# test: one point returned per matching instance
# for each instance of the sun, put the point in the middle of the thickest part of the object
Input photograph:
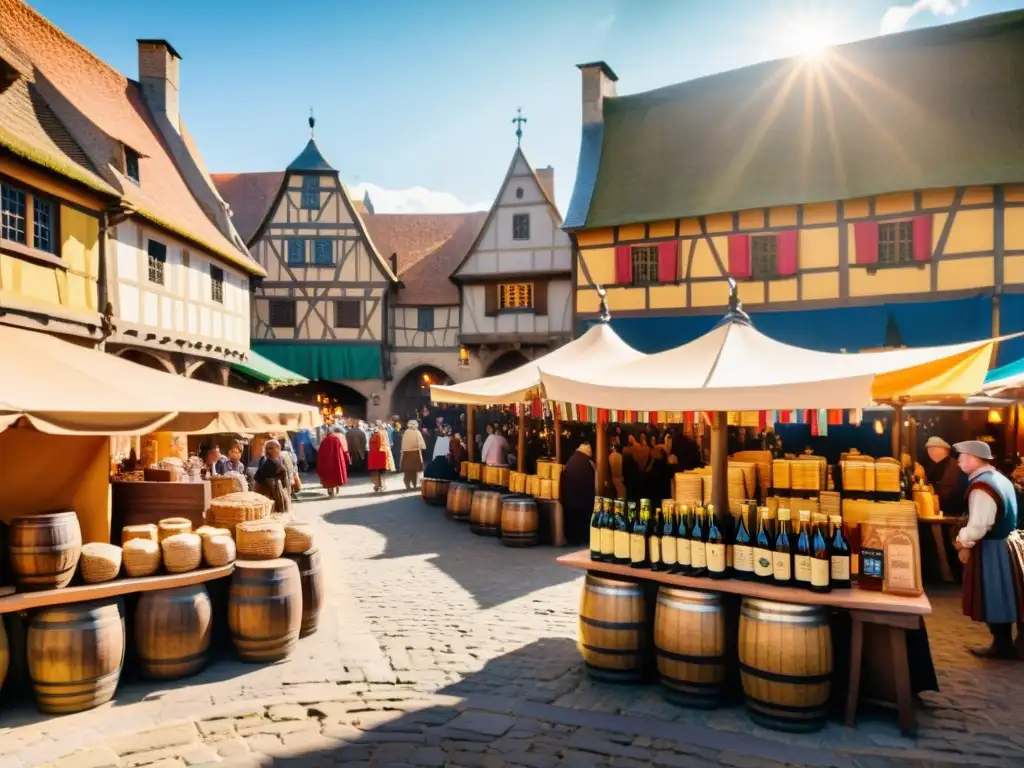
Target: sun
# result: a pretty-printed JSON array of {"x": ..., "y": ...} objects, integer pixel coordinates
[{"x": 810, "y": 38}]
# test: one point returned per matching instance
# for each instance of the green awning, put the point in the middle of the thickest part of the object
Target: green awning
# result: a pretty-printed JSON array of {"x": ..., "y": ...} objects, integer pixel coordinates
[
  {"x": 268, "y": 371},
  {"x": 325, "y": 362}
]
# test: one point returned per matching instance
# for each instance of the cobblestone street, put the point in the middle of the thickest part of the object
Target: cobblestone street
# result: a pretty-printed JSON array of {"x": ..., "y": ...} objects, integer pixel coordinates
[{"x": 439, "y": 648}]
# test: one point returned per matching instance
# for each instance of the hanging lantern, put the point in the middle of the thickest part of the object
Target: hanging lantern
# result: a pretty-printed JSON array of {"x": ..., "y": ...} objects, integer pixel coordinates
[
  {"x": 879, "y": 427},
  {"x": 995, "y": 417},
  {"x": 463, "y": 356}
]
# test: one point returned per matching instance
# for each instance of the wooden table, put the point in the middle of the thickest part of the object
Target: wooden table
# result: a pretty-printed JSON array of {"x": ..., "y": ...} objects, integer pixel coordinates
[
  {"x": 894, "y": 613},
  {"x": 939, "y": 525}
]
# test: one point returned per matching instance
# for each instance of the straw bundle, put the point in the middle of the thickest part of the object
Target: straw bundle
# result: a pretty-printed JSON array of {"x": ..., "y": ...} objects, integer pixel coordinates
[
  {"x": 858, "y": 475},
  {"x": 141, "y": 557},
  {"x": 556, "y": 474},
  {"x": 829, "y": 503},
  {"x": 805, "y": 475},
  {"x": 182, "y": 552},
  {"x": 170, "y": 526},
  {"x": 146, "y": 531},
  {"x": 462, "y": 468},
  {"x": 781, "y": 473},
  {"x": 748, "y": 471},
  {"x": 544, "y": 470},
  {"x": 545, "y": 488},
  {"x": 473, "y": 471},
  {"x": 688, "y": 488},
  {"x": 763, "y": 461},
  {"x": 260, "y": 539},
  {"x": 490, "y": 476},
  {"x": 857, "y": 511},
  {"x": 218, "y": 550},
  {"x": 298, "y": 537},
  {"x": 228, "y": 511},
  {"x": 887, "y": 476},
  {"x": 100, "y": 562},
  {"x": 532, "y": 485}
]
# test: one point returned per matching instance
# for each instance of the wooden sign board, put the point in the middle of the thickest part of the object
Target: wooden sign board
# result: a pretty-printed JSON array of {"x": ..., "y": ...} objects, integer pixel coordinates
[{"x": 902, "y": 553}]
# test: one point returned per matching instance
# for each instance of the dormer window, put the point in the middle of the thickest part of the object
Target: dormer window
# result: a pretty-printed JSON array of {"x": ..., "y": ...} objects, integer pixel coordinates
[{"x": 131, "y": 164}]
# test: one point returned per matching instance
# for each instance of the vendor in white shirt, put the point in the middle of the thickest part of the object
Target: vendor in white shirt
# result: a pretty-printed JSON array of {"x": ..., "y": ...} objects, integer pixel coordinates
[
  {"x": 988, "y": 593},
  {"x": 496, "y": 448}
]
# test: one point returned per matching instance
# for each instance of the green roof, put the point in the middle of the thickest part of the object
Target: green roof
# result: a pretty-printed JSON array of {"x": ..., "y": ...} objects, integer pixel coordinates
[
  {"x": 935, "y": 107},
  {"x": 268, "y": 371}
]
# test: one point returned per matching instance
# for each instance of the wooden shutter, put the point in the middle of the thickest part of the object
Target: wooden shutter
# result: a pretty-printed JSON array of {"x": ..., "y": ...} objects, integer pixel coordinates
[
  {"x": 623, "y": 264},
  {"x": 923, "y": 238},
  {"x": 865, "y": 236},
  {"x": 491, "y": 299},
  {"x": 668, "y": 261},
  {"x": 739, "y": 255},
  {"x": 540, "y": 296},
  {"x": 786, "y": 246}
]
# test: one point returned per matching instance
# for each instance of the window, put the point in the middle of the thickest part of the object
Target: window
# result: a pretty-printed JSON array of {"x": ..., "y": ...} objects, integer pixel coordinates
[
  {"x": 42, "y": 225},
  {"x": 12, "y": 214},
  {"x": 763, "y": 257},
  {"x": 217, "y": 284},
  {"x": 157, "y": 260},
  {"x": 645, "y": 264},
  {"x": 515, "y": 296},
  {"x": 425, "y": 319},
  {"x": 282, "y": 313},
  {"x": 296, "y": 252},
  {"x": 323, "y": 254},
  {"x": 519, "y": 193},
  {"x": 131, "y": 164},
  {"x": 896, "y": 243},
  {"x": 311, "y": 193},
  {"x": 348, "y": 313},
  {"x": 521, "y": 226}
]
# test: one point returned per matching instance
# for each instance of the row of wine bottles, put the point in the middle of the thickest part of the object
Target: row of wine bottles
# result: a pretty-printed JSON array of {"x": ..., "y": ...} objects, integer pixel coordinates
[{"x": 696, "y": 541}]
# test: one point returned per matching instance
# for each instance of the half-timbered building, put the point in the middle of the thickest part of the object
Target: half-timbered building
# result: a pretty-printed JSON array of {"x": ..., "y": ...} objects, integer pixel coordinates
[{"x": 878, "y": 187}]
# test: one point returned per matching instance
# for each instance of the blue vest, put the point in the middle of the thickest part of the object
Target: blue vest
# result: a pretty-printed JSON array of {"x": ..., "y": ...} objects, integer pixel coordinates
[{"x": 1004, "y": 494}]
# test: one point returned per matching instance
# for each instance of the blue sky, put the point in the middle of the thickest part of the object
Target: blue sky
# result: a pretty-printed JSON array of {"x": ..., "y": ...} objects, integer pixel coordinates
[{"x": 420, "y": 93}]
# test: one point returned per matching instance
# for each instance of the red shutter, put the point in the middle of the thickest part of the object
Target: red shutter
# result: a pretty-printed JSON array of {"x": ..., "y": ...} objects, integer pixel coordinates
[
  {"x": 923, "y": 238},
  {"x": 739, "y": 255},
  {"x": 786, "y": 247},
  {"x": 623, "y": 264},
  {"x": 668, "y": 261},
  {"x": 865, "y": 236}
]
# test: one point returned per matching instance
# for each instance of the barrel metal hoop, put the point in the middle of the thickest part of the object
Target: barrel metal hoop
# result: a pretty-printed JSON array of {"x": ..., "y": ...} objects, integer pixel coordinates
[
  {"x": 75, "y": 683},
  {"x": 780, "y": 677},
  {"x": 637, "y": 626},
  {"x": 783, "y": 618},
  {"x": 713, "y": 687},
  {"x": 689, "y": 607},
  {"x": 613, "y": 651},
  {"x": 626, "y": 590},
  {"x": 687, "y": 658},
  {"x": 813, "y": 710},
  {"x": 201, "y": 655}
]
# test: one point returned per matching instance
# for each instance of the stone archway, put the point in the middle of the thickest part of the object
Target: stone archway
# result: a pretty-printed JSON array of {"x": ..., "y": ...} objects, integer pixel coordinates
[
  {"x": 209, "y": 371},
  {"x": 506, "y": 362},
  {"x": 412, "y": 392},
  {"x": 326, "y": 394},
  {"x": 147, "y": 359}
]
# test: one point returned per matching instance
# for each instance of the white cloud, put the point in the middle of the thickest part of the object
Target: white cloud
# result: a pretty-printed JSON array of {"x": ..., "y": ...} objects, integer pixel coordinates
[
  {"x": 414, "y": 200},
  {"x": 897, "y": 17}
]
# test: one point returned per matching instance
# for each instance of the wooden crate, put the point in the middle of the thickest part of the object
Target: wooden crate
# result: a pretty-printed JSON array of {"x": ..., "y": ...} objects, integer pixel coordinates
[{"x": 136, "y": 503}]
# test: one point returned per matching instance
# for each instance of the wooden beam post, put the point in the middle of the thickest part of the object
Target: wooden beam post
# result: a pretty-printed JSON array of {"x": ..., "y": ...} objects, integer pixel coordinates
[
  {"x": 720, "y": 461},
  {"x": 601, "y": 456},
  {"x": 897, "y": 430},
  {"x": 470, "y": 433},
  {"x": 521, "y": 448},
  {"x": 556, "y": 424}
]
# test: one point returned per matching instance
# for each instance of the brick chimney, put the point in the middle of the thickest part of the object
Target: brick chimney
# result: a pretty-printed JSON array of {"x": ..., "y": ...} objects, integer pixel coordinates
[
  {"x": 598, "y": 84},
  {"x": 546, "y": 177},
  {"x": 158, "y": 75}
]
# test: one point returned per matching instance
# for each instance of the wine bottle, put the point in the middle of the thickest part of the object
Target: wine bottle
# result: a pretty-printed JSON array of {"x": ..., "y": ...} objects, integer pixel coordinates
[
  {"x": 698, "y": 546},
  {"x": 763, "y": 548},
  {"x": 607, "y": 531},
  {"x": 595, "y": 530},
  {"x": 638, "y": 536},
  {"x": 821, "y": 562},
  {"x": 716, "y": 558},
  {"x": 743, "y": 548},
  {"x": 684, "y": 546},
  {"x": 782, "y": 557},
  {"x": 802, "y": 559},
  {"x": 669, "y": 550},
  {"x": 654, "y": 542},
  {"x": 840, "y": 568},
  {"x": 621, "y": 533}
]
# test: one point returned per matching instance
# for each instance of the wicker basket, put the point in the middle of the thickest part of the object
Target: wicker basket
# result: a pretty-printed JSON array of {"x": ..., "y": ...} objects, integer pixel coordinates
[
  {"x": 146, "y": 531},
  {"x": 206, "y": 531},
  {"x": 228, "y": 511},
  {"x": 829, "y": 503},
  {"x": 183, "y": 552},
  {"x": 100, "y": 562},
  {"x": 260, "y": 539},
  {"x": 171, "y": 526},
  {"x": 688, "y": 488},
  {"x": 763, "y": 461},
  {"x": 218, "y": 550},
  {"x": 298, "y": 537},
  {"x": 781, "y": 473},
  {"x": 141, "y": 557},
  {"x": 887, "y": 476}
]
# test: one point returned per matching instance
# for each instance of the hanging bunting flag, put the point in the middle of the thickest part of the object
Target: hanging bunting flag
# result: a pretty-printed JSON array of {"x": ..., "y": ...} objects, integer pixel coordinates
[{"x": 823, "y": 422}]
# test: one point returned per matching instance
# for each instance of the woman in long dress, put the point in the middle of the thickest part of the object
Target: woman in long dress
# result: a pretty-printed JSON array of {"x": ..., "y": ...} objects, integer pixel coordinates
[
  {"x": 273, "y": 479},
  {"x": 413, "y": 446},
  {"x": 379, "y": 458}
]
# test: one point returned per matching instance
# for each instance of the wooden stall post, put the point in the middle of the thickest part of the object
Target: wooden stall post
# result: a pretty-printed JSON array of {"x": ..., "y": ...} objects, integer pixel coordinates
[
  {"x": 557, "y": 426},
  {"x": 897, "y": 430},
  {"x": 601, "y": 456},
  {"x": 470, "y": 433},
  {"x": 720, "y": 461},
  {"x": 521, "y": 448}
]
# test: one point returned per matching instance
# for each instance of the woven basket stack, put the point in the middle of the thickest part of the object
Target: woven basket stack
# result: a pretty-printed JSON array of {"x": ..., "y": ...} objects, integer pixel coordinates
[
  {"x": 858, "y": 474},
  {"x": 141, "y": 557},
  {"x": 100, "y": 562},
  {"x": 298, "y": 537},
  {"x": 806, "y": 474},
  {"x": 763, "y": 461},
  {"x": 887, "y": 475},
  {"x": 688, "y": 488},
  {"x": 146, "y": 531},
  {"x": 259, "y": 539},
  {"x": 183, "y": 552},
  {"x": 172, "y": 526},
  {"x": 234, "y": 508},
  {"x": 218, "y": 550}
]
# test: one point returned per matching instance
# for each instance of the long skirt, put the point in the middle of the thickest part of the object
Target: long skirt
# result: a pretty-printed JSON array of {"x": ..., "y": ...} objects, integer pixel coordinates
[
  {"x": 988, "y": 587},
  {"x": 274, "y": 489}
]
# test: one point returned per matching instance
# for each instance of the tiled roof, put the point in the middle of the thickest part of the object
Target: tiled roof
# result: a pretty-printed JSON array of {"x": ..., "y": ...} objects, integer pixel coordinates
[
  {"x": 250, "y": 196},
  {"x": 103, "y": 109}
]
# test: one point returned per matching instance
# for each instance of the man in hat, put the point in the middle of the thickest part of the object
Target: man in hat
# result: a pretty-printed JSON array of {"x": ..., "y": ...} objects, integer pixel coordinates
[
  {"x": 988, "y": 593},
  {"x": 944, "y": 474}
]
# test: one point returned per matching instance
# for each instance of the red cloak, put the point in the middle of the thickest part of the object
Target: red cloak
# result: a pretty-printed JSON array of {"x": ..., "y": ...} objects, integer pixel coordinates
[{"x": 332, "y": 461}]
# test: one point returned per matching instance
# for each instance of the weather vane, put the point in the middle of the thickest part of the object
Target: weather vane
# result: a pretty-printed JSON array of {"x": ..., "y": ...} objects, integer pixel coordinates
[
  {"x": 519, "y": 120},
  {"x": 736, "y": 312},
  {"x": 312, "y": 123},
  {"x": 605, "y": 316}
]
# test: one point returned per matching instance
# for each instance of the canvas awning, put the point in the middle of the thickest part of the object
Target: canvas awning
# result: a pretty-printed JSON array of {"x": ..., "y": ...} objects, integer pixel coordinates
[
  {"x": 268, "y": 371},
  {"x": 62, "y": 388},
  {"x": 594, "y": 349},
  {"x": 734, "y": 367},
  {"x": 1007, "y": 377}
]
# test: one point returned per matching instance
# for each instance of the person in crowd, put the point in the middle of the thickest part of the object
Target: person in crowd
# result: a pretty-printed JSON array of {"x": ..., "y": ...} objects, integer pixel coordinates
[
  {"x": 413, "y": 446},
  {"x": 355, "y": 439},
  {"x": 659, "y": 477},
  {"x": 944, "y": 474},
  {"x": 273, "y": 478},
  {"x": 442, "y": 441},
  {"x": 576, "y": 492},
  {"x": 377, "y": 458},
  {"x": 333, "y": 461},
  {"x": 456, "y": 452},
  {"x": 306, "y": 453},
  {"x": 215, "y": 461},
  {"x": 988, "y": 587},
  {"x": 288, "y": 456},
  {"x": 396, "y": 439},
  {"x": 233, "y": 463},
  {"x": 615, "y": 467},
  {"x": 496, "y": 448}
]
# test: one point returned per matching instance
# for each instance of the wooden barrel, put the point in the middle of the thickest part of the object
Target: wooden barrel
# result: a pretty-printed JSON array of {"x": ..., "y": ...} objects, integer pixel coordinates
[
  {"x": 172, "y": 631},
  {"x": 44, "y": 550},
  {"x": 311, "y": 575},
  {"x": 519, "y": 522},
  {"x": 5, "y": 653},
  {"x": 434, "y": 491},
  {"x": 75, "y": 653},
  {"x": 485, "y": 513},
  {"x": 689, "y": 644},
  {"x": 785, "y": 663},
  {"x": 613, "y": 629},
  {"x": 265, "y": 609},
  {"x": 460, "y": 501}
]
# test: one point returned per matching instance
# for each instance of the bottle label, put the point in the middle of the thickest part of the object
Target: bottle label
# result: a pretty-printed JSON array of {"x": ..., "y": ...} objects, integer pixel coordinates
[
  {"x": 668, "y": 550},
  {"x": 743, "y": 559},
  {"x": 607, "y": 542},
  {"x": 698, "y": 554},
  {"x": 621, "y": 545},
  {"x": 819, "y": 572},
  {"x": 595, "y": 539},
  {"x": 684, "y": 549},
  {"x": 655, "y": 549},
  {"x": 840, "y": 568},
  {"x": 802, "y": 567},
  {"x": 763, "y": 562},
  {"x": 782, "y": 566},
  {"x": 637, "y": 548},
  {"x": 716, "y": 557}
]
